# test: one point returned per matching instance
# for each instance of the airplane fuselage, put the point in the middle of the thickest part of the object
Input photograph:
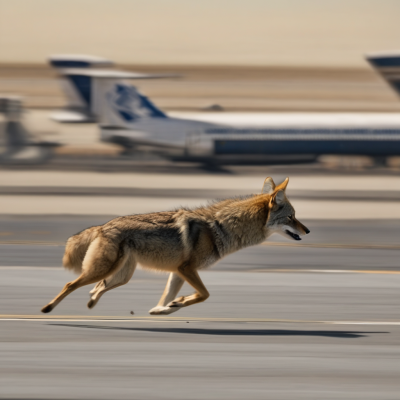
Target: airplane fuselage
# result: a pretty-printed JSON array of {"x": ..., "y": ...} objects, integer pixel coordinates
[{"x": 255, "y": 134}]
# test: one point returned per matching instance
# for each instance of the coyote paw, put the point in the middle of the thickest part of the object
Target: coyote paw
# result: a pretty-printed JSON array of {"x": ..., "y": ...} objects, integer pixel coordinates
[
  {"x": 91, "y": 303},
  {"x": 47, "y": 309},
  {"x": 159, "y": 310}
]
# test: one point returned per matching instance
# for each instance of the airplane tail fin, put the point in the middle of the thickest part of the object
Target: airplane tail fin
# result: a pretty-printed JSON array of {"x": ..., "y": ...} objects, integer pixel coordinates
[
  {"x": 86, "y": 86},
  {"x": 77, "y": 89},
  {"x": 123, "y": 105},
  {"x": 388, "y": 65}
]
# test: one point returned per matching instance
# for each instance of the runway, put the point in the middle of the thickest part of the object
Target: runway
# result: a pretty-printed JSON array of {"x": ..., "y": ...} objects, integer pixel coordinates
[
  {"x": 316, "y": 319},
  {"x": 259, "y": 335},
  {"x": 284, "y": 335}
]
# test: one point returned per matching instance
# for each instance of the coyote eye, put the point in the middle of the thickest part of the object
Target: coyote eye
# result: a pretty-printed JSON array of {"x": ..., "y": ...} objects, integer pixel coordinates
[{"x": 290, "y": 217}]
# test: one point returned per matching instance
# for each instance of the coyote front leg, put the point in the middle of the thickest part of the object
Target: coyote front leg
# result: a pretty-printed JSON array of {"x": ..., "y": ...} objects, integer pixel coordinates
[
  {"x": 171, "y": 290},
  {"x": 190, "y": 275}
]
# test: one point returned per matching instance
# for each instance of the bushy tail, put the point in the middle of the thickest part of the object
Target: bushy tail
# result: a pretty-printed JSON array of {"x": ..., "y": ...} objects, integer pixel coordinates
[{"x": 77, "y": 247}]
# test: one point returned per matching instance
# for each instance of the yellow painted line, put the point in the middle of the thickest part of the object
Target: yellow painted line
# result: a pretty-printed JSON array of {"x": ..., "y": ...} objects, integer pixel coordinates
[
  {"x": 42, "y": 317},
  {"x": 81, "y": 318}
]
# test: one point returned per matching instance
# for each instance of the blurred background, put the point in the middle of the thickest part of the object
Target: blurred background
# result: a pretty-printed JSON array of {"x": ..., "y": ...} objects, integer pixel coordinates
[{"x": 110, "y": 108}]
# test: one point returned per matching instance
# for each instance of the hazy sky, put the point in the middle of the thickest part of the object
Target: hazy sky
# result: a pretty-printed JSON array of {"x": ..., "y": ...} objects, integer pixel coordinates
[{"x": 248, "y": 32}]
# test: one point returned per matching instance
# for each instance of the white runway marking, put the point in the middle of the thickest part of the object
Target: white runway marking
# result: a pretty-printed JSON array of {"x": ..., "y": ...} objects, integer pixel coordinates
[
  {"x": 325, "y": 271},
  {"x": 394, "y": 323},
  {"x": 77, "y": 318}
]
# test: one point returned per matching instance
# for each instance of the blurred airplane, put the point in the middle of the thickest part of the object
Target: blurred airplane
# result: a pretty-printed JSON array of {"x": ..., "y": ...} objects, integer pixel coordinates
[
  {"x": 130, "y": 119},
  {"x": 17, "y": 144}
]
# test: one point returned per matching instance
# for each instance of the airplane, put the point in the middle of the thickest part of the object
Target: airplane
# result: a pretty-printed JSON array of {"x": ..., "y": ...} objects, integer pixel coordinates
[{"x": 130, "y": 119}]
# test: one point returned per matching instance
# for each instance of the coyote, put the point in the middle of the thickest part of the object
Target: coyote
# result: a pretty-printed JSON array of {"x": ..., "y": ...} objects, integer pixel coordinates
[{"x": 180, "y": 242}]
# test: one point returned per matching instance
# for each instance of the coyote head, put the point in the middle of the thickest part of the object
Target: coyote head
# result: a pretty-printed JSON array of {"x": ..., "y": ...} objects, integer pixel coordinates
[{"x": 281, "y": 218}]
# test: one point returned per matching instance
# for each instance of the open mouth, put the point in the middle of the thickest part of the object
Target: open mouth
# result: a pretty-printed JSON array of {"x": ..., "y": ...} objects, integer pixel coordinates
[{"x": 295, "y": 236}]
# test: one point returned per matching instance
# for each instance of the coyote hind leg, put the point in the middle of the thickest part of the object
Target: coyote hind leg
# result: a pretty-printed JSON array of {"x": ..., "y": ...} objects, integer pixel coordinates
[
  {"x": 171, "y": 290},
  {"x": 102, "y": 260},
  {"x": 82, "y": 280},
  {"x": 120, "y": 278}
]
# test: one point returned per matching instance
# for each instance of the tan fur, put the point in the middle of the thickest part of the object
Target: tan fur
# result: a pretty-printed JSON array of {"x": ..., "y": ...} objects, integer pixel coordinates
[
  {"x": 76, "y": 248},
  {"x": 180, "y": 242}
]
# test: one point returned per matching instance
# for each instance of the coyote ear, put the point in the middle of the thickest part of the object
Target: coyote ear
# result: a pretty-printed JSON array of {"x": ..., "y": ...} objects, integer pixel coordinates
[
  {"x": 283, "y": 185},
  {"x": 280, "y": 196},
  {"x": 268, "y": 187}
]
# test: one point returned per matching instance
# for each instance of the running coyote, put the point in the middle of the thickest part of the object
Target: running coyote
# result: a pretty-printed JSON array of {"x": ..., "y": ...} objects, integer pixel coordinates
[{"x": 180, "y": 242}]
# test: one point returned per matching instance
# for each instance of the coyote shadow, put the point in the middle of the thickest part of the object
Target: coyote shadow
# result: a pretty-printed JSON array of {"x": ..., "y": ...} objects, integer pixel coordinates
[{"x": 233, "y": 332}]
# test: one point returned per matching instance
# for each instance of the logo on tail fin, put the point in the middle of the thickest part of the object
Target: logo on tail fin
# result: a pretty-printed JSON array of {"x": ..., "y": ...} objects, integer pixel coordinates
[{"x": 130, "y": 105}]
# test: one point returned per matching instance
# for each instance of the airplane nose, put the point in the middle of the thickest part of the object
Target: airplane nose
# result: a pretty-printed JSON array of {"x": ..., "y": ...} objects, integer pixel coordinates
[{"x": 307, "y": 231}]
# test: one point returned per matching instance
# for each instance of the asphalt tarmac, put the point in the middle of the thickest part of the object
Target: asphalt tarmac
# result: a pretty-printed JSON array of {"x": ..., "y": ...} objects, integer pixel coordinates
[
  {"x": 260, "y": 335},
  {"x": 317, "y": 319}
]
